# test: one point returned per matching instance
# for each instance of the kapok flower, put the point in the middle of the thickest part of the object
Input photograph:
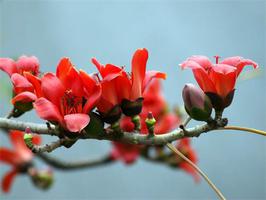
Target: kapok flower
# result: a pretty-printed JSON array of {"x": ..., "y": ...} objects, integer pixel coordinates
[
  {"x": 217, "y": 80},
  {"x": 128, "y": 89},
  {"x": 128, "y": 153},
  {"x": 66, "y": 100},
  {"x": 185, "y": 147},
  {"x": 23, "y": 64},
  {"x": 18, "y": 158},
  {"x": 23, "y": 74}
]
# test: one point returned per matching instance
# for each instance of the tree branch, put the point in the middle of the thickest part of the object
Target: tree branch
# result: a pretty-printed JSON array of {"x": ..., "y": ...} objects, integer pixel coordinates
[
  {"x": 127, "y": 137},
  {"x": 65, "y": 165},
  {"x": 35, "y": 128},
  {"x": 43, "y": 148}
]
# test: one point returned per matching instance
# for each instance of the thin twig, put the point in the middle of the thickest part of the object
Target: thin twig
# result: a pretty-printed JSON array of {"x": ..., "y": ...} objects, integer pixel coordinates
[
  {"x": 65, "y": 165},
  {"x": 238, "y": 128},
  {"x": 175, "y": 150},
  {"x": 46, "y": 147}
]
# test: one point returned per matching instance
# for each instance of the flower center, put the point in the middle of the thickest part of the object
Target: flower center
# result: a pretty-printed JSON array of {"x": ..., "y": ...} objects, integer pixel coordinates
[{"x": 71, "y": 104}]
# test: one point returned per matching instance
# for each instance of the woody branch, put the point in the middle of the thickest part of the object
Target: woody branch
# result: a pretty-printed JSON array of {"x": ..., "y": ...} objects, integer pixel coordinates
[{"x": 126, "y": 137}]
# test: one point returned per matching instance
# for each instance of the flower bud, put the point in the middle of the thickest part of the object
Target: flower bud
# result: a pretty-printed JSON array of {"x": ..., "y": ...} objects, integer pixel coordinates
[
  {"x": 197, "y": 103},
  {"x": 43, "y": 179}
]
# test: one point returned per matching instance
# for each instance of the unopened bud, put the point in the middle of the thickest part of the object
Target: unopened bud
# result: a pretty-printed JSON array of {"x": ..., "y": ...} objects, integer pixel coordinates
[
  {"x": 150, "y": 122},
  {"x": 197, "y": 103},
  {"x": 28, "y": 140},
  {"x": 43, "y": 179}
]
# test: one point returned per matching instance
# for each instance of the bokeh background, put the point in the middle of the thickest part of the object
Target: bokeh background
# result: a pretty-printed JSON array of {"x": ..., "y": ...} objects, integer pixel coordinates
[{"x": 171, "y": 31}]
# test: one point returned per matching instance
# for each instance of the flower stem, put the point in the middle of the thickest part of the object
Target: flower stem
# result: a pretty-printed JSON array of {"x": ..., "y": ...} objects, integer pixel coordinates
[
  {"x": 239, "y": 128},
  {"x": 217, "y": 191}
]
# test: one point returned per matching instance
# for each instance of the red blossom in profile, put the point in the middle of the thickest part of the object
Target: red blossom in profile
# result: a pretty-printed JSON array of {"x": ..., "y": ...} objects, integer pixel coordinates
[
  {"x": 68, "y": 97},
  {"x": 185, "y": 147},
  {"x": 153, "y": 102},
  {"x": 23, "y": 74},
  {"x": 217, "y": 80},
  {"x": 18, "y": 158},
  {"x": 23, "y": 64},
  {"x": 119, "y": 86}
]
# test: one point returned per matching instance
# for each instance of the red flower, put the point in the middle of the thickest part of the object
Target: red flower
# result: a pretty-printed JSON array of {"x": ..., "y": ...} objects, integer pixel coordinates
[
  {"x": 133, "y": 86},
  {"x": 128, "y": 153},
  {"x": 19, "y": 158},
  {"x": 23, "y": 74},
  {"x": 112, "y": 77},
  {"x": 185, "y": 147},
  {"x": 23, "y": 64},
  {"x": 66, "y": 99},
  {"x": 220, "y": 78}
]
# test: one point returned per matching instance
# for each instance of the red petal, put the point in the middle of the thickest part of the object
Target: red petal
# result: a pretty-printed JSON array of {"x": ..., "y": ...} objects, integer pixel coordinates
[
  {"x": 233, "y": 61},
  {"x": 224, "y": 83},
  {"x": 93, "y": 91},
  {"x": 36, "y": 82},
  {"x": 166, "y": 123},
  {"x": 150, "y": 75},
  {"x": 8, "y": 156},
  {"x": 24, "y": 97},
  {"x": 22, "y": 151},
  {"x": 191, "y": 64},
  {"x": 63, "y": 68},
  {"x": 29, "y": 64},
  {"x": 52, "y": 88},
  {"x": 239, "y": 63},
  {"x": 109, "y": 92},
  {"x": 47, "y": 110},
  {"x": 92, "y": 99},
  {"x": 138, "y": 68},
  {"x": 88, "y": 82},
  {"x": 8, "y": 65},
  {"x": 76, "y": 122},
  {"x": 123, "y": 87},
  {"x": 126, "y": 152},
  {"x": 203, "y": 61},
  {"x": 204, "y": 80},
  {"x": 69, "y": 77},
  {"x": 245, "y": 62},
  {"x": 20, "y": 83},
  {"x": 8, "y": 180},
  {"x": 112, "y": 71},
  {"x": 99, "y": 66}
]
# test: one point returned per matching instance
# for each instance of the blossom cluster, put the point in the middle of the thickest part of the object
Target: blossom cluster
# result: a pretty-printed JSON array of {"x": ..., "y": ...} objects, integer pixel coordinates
[{"x": 121, "y": 100}]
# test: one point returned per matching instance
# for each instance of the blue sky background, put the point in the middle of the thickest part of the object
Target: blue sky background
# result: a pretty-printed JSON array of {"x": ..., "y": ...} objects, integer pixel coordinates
[{"x": 171, "y": 31}]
